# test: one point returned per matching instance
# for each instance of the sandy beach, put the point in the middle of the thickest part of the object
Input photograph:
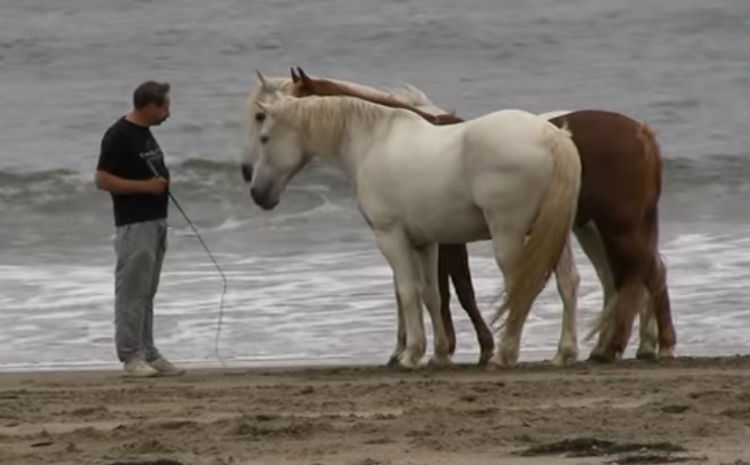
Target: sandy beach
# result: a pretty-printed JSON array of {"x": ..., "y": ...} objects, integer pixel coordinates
[{"x": 687, "y": 410}]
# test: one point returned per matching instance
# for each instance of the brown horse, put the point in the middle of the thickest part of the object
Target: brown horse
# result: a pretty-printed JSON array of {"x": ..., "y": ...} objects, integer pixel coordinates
[{"x": 616, "y": 225}]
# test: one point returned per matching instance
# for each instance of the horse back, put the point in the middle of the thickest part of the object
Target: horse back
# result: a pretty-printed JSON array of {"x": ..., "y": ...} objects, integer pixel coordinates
[{"x": 621, "y": 168}]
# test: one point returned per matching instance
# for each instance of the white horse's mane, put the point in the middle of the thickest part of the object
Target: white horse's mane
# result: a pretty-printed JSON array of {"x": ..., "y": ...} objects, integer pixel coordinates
[{"x": 323, "y": 121}]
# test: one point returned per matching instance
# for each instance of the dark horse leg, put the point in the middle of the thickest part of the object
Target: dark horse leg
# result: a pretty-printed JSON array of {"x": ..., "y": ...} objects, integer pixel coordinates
[
  {"x": 453, "y": 262},
  {"x": 629, "y": 258},
  {"x": 656, "y": 283}
]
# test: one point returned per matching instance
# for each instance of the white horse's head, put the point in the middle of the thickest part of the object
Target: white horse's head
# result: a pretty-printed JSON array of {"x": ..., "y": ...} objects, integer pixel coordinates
[
  {"x": 281, "y": 152},
  {"x": 267, "y": 91}
]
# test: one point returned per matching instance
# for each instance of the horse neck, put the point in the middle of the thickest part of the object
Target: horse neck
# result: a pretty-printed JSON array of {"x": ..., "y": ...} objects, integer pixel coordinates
[
  {"x": 341, "y": 129},
  {"x": 408, "y": 97}
]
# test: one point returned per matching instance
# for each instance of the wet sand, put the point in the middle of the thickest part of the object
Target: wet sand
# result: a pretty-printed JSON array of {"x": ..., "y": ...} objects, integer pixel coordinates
[{"x": 687, "y": 410}]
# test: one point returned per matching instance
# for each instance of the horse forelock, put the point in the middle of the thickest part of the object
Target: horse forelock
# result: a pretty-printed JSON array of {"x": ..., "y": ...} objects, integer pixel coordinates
[{"x": 273, "y": 87}]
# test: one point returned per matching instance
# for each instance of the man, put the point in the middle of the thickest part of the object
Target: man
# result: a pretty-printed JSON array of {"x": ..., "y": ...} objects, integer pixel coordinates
[{"x": 131, "y": 168}]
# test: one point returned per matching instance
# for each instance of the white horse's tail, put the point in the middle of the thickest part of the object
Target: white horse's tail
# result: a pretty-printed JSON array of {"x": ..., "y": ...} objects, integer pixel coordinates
[{"x": 550, "y": 230}]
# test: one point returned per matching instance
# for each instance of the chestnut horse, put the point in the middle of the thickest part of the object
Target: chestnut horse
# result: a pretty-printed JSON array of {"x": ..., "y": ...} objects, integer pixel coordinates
[{"x": 616, "y": 223}]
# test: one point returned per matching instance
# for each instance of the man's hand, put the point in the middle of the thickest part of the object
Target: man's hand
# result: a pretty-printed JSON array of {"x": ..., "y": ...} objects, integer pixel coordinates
[
  {"x": 117, "y": 185},
  {"x": 156, "y": 186}
]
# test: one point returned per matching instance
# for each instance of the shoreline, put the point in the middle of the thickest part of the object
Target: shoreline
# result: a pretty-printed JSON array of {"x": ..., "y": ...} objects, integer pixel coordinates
[{"x": 693, "y": 409}]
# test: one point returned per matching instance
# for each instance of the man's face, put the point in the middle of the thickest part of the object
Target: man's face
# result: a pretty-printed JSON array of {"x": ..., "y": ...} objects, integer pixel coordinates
[{"x": 159, "y": 113}]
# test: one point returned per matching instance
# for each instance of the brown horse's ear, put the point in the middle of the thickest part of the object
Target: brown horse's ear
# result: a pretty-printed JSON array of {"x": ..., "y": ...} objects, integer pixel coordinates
[
  {"x": 305, "y": 78},
  {"x": 295, "y": 77}
]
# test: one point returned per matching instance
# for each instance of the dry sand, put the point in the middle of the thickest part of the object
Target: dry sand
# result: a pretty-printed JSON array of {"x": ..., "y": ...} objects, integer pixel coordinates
[{"x": 687, "y": 410}]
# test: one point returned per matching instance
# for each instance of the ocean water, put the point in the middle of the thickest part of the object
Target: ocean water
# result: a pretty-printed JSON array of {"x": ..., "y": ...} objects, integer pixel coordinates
[{"x": 306, "y": 282}]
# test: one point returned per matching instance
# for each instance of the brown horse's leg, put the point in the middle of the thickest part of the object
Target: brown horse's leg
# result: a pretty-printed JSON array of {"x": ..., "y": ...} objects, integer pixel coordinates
[
  {"x": 628, "y": 257},
  {"x": 656, "y": 282},
  {"x": 461, "y": 277},
  {"x": 445, "y": 258}
]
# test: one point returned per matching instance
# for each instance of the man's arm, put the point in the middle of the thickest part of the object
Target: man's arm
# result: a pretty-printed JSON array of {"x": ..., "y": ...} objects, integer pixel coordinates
[{"x": 109, "y": 182}]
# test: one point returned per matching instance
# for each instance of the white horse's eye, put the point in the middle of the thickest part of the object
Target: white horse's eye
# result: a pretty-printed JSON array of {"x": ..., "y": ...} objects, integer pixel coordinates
[
  {"x": 260, "y": 117},
  {"x": 263, "y": 139}
]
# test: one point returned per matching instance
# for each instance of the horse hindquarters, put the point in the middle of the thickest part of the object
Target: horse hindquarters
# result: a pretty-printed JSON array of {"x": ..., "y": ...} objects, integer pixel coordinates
[{"x": 528, "y": 252}]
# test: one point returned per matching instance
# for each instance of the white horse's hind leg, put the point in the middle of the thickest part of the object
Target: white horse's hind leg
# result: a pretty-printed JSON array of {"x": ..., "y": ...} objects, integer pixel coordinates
[
  {"x": 507, "y": 248},
  {"x": 568, "y": 279},
  {"x": 395, "y": 247},
  {"x": 428, "y": 257}
]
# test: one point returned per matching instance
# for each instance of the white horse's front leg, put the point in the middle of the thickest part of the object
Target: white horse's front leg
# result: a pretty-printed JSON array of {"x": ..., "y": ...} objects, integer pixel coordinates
[
  {"x": 566, "y": 275},
  {"x": 400, "y": 332},
  {"x": 428, "y": 257},
  {"x": 396, "y": 248}
]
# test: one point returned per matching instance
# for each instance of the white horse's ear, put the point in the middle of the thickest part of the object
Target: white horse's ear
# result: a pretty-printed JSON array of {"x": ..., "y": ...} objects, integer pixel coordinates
[{"x": 262, "y": 79}]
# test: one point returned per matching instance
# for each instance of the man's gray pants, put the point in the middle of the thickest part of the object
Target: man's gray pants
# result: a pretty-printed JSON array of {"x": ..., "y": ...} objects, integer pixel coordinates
[{"x": 140, "y": 249}]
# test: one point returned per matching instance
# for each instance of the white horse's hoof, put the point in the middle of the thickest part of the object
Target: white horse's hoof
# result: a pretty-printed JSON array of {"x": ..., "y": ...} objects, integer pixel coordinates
[
  {"x": 565, "y": 358},
  {"x": 443, "y": 361},
  {"x": 666, "y": 352},
  {"x": 408, "y": 362},
  {"x": 646, "y": 354},
  {"x": 503, "y": 360}
]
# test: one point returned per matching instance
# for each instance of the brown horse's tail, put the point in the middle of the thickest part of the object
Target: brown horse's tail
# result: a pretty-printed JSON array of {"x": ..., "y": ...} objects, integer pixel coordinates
[
  {"x": 655, "y": 277},
  {"x": 652, "y": 160},
  {"x": 550, "y": 230}
]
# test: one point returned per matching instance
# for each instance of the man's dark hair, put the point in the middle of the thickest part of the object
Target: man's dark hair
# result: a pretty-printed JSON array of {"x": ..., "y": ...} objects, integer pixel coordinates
[{"x": 150, "y": 92}]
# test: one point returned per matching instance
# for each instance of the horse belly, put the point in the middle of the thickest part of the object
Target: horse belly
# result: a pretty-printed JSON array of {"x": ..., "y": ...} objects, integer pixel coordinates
[{"x": 445, "y": 222}]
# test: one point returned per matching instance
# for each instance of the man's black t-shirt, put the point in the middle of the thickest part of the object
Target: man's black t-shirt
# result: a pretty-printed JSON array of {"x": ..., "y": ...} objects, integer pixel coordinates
[{"x": 126, "y": 150}]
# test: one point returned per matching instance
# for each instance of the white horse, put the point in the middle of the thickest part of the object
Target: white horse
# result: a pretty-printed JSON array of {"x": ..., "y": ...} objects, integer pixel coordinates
[
  {"x": 566, "y": 274},
  {"x": 509, "y": 176}
]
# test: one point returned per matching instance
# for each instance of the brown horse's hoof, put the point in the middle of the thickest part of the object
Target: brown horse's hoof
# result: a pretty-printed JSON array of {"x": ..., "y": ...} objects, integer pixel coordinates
[
  {"x": 392, "y": 362},
  {"x": 484, "y": 358},
  {"x": 602, "y": 356}
]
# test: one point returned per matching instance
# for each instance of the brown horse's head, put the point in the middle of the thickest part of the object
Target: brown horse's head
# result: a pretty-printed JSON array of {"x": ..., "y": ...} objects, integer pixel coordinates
[{"x": 305, "y": 86}]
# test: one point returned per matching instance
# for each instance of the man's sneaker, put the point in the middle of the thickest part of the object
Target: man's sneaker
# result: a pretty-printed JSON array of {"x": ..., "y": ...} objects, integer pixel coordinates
[
  {"x": 165, "y": 368},
  {"x": 138, "y": 368}
]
